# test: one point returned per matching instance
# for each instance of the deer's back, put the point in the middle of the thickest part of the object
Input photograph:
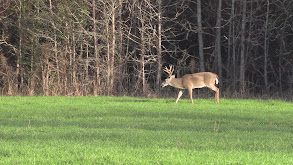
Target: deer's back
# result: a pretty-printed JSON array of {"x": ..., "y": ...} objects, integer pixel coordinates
[{"x": 199, "y": 80}]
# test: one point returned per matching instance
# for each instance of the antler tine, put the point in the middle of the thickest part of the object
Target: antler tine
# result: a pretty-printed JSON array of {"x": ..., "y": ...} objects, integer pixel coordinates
[
  {"x": 166, "y": 70},
  {"x": 170, "y": 70}
]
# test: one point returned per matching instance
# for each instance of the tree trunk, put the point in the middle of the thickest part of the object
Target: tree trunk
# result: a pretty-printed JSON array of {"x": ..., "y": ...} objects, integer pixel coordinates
[
  {"x": 19, "y": 58},
  {"x": 200, "y": 40},
  {"x": 74, "y": 67},
  {"x": 142, "y": 40},
  {"x": 108, "y": 52},
  {"x": 111, "y": 86},
  {"x": 281, "y": 53},
  {"x": 32, "y": 76},
  {"x": 159, "y": 48},
  {"x": 142, "y": 28},
  {"x": 97, "y": 60},
  {"x": 120, "y": 51},
  {"x": 233, "y": 46},
  {"x": 218, "y": 41},
  {"x": 266, "y": 49},
  {"x": 87, "y": 70},
  {"x": 242, "y": 58}
]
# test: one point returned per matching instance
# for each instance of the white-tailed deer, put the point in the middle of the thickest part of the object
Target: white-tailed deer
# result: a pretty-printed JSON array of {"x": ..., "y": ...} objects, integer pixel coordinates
[{"x": 191, "y": 81}]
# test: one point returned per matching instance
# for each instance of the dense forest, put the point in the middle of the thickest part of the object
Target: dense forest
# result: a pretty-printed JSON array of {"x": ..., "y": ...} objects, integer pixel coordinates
[{"x": 119, "y": 47}]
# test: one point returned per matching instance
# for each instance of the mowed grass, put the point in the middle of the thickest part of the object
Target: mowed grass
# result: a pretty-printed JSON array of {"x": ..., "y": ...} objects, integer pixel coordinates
[{"x": 123, "y": 130}]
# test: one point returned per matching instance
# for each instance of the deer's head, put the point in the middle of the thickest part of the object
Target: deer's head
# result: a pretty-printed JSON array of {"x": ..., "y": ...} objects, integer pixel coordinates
[{"x": 167, "y": 81}]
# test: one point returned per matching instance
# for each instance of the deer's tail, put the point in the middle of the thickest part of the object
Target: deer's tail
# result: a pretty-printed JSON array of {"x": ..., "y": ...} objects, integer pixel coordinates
[{"x": 217, "y": 80}]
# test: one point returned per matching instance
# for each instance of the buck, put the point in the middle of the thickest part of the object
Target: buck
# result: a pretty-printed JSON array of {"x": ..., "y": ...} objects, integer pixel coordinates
[{"x": 191, "y": 81}]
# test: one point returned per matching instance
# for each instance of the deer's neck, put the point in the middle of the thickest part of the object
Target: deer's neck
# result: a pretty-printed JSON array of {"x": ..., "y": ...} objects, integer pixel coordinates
[{"x": 177, "y": 83}]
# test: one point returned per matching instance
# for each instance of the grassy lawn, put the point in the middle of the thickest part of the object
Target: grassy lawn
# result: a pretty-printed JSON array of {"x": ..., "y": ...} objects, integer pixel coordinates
[{"x": 123, "y": 130}]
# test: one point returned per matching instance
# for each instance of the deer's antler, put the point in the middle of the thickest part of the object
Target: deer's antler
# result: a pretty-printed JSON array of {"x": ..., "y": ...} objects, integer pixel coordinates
[{"x": 170, "y": 70}]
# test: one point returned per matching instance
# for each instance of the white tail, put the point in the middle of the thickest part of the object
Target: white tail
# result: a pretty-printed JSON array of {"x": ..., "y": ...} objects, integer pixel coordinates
[{"x": 191, "y": 81}]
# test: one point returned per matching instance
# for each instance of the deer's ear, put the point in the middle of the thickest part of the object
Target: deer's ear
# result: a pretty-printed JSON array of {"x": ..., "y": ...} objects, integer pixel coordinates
[{"x": 173, "y": 76}]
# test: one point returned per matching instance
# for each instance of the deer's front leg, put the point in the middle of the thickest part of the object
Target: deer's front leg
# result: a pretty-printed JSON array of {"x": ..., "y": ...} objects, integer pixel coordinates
[{"x": 179, "y": 95}]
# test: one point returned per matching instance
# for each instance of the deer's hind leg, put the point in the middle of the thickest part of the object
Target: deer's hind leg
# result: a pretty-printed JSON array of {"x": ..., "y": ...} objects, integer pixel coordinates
[{"x": 217, "y": 93}]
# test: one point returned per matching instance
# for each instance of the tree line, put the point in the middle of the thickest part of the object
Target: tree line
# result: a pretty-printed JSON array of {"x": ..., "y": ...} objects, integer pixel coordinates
[{"x": 119, "y": 47}]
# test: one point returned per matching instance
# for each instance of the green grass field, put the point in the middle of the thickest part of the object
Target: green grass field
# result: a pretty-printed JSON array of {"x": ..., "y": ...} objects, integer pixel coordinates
[{"x": 123, "y": 130}]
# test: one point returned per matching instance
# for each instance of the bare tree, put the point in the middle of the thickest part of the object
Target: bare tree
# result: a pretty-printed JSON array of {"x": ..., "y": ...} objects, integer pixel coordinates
[
  {"x": 218, "y": 41},
  {"x": 242, "y": 53},
  {"x": 142, "y": 60},
  {"x": 266, "y": 48},
  {"x": 200, "y": 39},
  {"x": 159, "y": 48},
  {"x": 19, "y": 69},
  {"x": 111, "y": 20},
  {"x": 231, "y": 64},
  {"x": 96, "y": 51},
  {"x": 233, "y": 45}
]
